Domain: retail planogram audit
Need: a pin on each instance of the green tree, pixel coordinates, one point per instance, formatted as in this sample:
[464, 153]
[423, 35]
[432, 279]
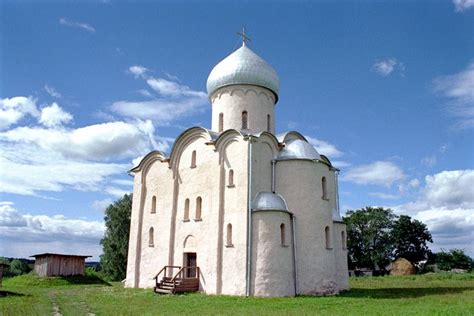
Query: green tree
[369, 242]
[453, 259]
[410, 239]
[18, 267]
[115, 242]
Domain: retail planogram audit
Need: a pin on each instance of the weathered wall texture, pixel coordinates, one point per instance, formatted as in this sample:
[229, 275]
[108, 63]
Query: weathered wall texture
[54, 265]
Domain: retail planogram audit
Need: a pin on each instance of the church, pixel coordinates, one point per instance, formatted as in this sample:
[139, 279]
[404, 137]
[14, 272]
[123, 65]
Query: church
[237, 209]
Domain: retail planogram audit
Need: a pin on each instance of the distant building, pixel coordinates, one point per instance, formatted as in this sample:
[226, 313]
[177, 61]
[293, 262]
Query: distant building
[3, 266]
[55, 264]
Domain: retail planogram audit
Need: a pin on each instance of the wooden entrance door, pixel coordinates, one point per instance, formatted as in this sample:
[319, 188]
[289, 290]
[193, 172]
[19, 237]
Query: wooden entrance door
[191, 264]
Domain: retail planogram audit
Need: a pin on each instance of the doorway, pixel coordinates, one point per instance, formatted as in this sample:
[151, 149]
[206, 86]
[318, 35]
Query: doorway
[190, 261]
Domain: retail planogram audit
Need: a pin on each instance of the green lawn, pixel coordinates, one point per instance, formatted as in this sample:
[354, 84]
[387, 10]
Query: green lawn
[429, 294]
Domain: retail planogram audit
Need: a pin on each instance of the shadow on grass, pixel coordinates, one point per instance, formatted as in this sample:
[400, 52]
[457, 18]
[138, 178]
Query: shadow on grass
[396, 293]
[9, 293]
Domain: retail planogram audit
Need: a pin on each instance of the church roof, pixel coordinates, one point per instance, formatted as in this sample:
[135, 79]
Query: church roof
[268, 201]
[243, 67]
[298, 149]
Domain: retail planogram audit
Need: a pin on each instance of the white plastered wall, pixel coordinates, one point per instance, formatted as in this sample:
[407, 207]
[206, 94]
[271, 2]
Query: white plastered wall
[299, 181]
[232, 100]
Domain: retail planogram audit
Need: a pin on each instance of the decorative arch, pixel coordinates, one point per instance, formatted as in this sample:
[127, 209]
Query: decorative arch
[183, 141]
[189, 243]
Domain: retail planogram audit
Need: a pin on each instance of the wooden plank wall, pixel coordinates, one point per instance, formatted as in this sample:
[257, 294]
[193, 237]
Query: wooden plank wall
[59, 266]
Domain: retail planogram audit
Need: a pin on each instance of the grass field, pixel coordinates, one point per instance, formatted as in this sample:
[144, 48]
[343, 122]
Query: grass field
[429, 294]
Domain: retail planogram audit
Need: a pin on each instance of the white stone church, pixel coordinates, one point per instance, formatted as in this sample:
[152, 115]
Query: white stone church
[236, 209]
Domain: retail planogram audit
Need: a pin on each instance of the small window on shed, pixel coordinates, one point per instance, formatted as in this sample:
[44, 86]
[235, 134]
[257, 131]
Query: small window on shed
[186, 210]
[268, 123]
[343, 239]
[229, 235]
[221, 122]
[282, 234]
[230, 181]
[151, 237]
[328, 237]
[153, 205]
[324, 188]
[245, 122]
[198, 208]
[193, 159]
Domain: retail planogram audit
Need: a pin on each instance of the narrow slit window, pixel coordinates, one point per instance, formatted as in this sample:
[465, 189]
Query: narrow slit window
[324, 188]
[186, 210]
[193, 159]
[221, 122]
[198, 208]
[231, 178]
[229, 235]
[268, 123]
[328, 237]
[245, 123]
[151, 237]
[153, 205]
[282, 235]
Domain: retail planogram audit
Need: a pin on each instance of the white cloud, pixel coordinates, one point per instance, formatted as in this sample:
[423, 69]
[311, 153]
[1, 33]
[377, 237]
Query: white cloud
[377, 173]
[80, 25]
[429, 161]
[54, 115]
[52, 91]
[458, 90]
[22, 235]
[446, 206]
[387, 66]
[462, 5]
[385, 196]
[324, 147]
[101, 205]
[94, 142]
[175, 100]
[12, 110]
[138, 71]
[414, 183]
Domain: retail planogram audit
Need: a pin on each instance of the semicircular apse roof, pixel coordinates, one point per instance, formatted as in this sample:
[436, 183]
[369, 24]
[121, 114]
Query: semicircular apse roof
[298, 149]
[268, 201]
[243, 67]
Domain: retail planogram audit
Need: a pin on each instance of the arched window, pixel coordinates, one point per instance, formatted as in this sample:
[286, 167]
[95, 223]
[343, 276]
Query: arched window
[328, 237]
[282, 235]
[343, 239]
[153, 205]
[245, 123]
[324, 188]
[221, 122]
[198, 208]
[186, 210]
[193, 159]
[229, 235]
[151, 237]
[231, 178]
[268, 122]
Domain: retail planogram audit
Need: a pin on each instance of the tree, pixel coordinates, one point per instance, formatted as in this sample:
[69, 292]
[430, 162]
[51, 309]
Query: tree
[409, 239]
[453, 259]
[368, 237]
[115, 242]
[18, 267]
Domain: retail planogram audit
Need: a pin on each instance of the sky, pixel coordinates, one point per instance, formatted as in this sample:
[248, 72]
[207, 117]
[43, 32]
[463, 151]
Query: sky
[384, 89]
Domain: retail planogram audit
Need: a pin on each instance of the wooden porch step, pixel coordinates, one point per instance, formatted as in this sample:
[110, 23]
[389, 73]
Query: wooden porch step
[163, 291]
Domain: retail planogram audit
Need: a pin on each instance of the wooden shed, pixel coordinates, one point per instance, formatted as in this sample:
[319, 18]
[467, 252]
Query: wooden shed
[55, 264]
[3, 266]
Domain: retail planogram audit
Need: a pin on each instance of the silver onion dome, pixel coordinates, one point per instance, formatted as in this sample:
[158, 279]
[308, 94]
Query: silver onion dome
[243, 67]
[268, 201]
[298, 149]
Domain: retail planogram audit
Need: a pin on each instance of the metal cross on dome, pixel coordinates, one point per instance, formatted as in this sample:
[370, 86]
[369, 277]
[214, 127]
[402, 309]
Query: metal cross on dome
[245, 38]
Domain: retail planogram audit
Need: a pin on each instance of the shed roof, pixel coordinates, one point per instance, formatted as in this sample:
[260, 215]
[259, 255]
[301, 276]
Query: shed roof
[57, 254]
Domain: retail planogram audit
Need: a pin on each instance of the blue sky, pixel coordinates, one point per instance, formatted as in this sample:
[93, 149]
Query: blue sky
[385, 89]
